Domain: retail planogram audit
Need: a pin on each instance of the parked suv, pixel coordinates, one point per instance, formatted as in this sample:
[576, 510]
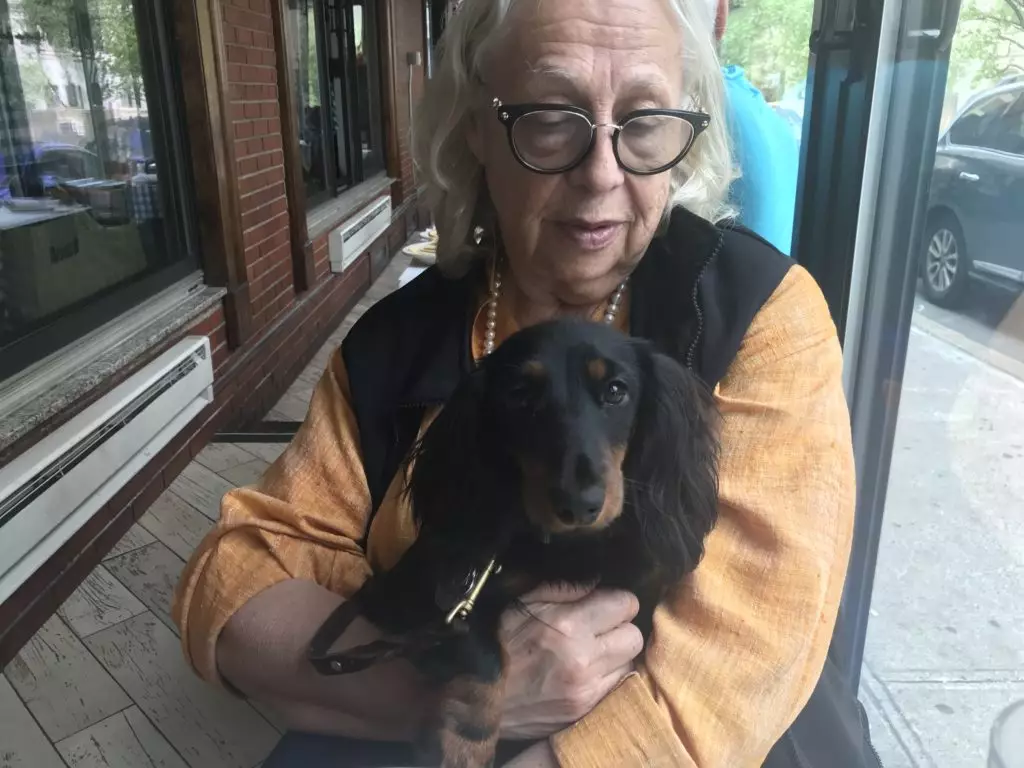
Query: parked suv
[975, 224]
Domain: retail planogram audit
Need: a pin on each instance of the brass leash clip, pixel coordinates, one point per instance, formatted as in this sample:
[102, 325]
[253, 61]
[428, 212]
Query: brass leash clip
[465, 606]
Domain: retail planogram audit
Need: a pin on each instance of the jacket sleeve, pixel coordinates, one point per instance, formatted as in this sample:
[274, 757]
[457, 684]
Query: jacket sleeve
[737, 649]
[302, 521]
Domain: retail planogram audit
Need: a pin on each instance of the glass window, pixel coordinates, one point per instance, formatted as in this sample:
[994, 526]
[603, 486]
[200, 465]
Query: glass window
[365, 85]
[335, 63]
[90, 209]
[942, 359]
[971, 127]
[304, 53]
[1007, 134]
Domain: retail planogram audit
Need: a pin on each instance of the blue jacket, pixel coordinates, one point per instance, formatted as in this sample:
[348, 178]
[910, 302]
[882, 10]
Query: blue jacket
[768, 155]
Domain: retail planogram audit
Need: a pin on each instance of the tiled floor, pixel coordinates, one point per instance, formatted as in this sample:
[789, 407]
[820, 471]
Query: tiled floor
[103, 684]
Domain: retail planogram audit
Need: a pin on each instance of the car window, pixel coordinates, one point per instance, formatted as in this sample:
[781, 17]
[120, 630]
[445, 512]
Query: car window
[67, 164]
[976, 124]
[1007, 133]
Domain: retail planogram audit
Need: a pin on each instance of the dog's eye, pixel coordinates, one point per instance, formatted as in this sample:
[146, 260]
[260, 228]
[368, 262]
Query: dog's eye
[519, 396]
[615, 393]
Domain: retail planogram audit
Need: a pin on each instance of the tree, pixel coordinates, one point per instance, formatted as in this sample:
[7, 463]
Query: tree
[769, 39]
[989, 42]
[35, 85]
[99, 33]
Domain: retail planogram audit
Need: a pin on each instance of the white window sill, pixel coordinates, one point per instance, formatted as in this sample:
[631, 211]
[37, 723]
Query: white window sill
[43, 390]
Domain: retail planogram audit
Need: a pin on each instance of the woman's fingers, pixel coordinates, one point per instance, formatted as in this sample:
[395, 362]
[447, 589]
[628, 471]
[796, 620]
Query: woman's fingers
[582, 702]
[557, 593]
[617, 649]
[611, 681]
[601, 611]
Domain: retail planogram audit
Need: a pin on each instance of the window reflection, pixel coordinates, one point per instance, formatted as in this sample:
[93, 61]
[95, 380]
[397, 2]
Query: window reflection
[81, 195]
[305, 61]
[368, 138]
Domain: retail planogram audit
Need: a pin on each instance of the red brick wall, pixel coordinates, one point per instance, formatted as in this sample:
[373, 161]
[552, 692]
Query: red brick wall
[255, 114]
[213, 326]
[321, 256]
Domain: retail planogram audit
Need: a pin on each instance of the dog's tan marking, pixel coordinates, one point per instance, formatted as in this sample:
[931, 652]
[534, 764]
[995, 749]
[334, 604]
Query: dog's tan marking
[597, 368]
[534, 369]
[614, 488]
[536, 501]
[469, 722]
[538, 506]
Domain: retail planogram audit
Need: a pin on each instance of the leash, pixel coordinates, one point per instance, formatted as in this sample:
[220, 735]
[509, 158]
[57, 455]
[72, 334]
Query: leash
[380, 651]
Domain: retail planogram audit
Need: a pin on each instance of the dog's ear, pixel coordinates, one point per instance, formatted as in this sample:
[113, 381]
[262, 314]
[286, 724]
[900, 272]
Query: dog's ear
[446, 462]
[671, 464]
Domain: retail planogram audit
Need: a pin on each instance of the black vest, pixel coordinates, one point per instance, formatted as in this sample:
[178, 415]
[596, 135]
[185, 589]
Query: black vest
[694, 295]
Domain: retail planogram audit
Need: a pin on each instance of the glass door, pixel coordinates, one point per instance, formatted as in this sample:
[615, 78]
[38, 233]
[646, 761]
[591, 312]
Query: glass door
[933, 616]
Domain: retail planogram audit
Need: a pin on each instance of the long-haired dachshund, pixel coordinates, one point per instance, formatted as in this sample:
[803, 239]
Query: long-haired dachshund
[572, 454]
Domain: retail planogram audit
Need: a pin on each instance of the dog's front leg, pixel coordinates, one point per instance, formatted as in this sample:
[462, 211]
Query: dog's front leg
[463, 731]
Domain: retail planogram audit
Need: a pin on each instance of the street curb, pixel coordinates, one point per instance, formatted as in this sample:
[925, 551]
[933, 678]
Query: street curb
[997, 360]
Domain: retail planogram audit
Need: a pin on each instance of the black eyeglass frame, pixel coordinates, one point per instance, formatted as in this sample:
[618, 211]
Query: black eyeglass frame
[509, 114]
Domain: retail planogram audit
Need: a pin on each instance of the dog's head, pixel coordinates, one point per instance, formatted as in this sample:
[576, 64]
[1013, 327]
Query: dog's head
[572, 425]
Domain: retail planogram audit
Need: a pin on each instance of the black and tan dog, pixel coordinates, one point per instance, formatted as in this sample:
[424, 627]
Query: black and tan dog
[572, 454]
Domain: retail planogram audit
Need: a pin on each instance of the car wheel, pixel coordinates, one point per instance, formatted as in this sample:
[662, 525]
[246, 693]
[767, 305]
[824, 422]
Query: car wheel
[944, 266]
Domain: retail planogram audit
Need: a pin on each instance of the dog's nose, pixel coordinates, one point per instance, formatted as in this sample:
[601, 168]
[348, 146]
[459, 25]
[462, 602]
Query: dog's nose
[582, 507]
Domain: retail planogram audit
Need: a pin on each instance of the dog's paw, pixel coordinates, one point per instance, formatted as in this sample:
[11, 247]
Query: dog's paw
[465, 731]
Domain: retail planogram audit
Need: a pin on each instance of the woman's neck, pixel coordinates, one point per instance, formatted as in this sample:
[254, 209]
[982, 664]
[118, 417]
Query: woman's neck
[525, 310]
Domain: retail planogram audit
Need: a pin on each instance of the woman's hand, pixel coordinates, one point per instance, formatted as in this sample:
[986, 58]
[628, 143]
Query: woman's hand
[566, 651]
[540, 755]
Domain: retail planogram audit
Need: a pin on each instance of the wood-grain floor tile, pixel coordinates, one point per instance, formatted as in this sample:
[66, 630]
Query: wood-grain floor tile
[100, 602]
[136, 537]
[22, 742]
[176, 524]
[207, 726]
[269, 452]
[201, 488]
[124, 740]
[61, 683]
[245, 474]
[151, 573]
[220, 456]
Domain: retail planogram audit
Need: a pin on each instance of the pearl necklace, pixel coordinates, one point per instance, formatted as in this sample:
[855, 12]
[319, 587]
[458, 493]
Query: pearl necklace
[492, 309]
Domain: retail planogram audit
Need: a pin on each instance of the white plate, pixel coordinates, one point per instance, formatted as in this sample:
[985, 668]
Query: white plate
[423, 253]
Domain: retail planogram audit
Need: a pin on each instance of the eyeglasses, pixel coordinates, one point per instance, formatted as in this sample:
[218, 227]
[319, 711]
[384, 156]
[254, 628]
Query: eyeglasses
[549, 138]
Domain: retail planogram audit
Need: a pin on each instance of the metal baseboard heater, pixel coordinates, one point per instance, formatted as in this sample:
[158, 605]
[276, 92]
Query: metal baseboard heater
[54, 488]
[348, 241]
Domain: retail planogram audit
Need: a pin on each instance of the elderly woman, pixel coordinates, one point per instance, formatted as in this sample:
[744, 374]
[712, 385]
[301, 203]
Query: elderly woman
[584, 139]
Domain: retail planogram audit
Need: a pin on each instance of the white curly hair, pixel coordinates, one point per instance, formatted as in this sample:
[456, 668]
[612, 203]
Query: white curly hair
[454, 180]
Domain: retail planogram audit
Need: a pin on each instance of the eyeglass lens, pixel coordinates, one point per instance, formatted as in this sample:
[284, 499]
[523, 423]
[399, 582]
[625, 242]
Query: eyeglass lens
[551, 140]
